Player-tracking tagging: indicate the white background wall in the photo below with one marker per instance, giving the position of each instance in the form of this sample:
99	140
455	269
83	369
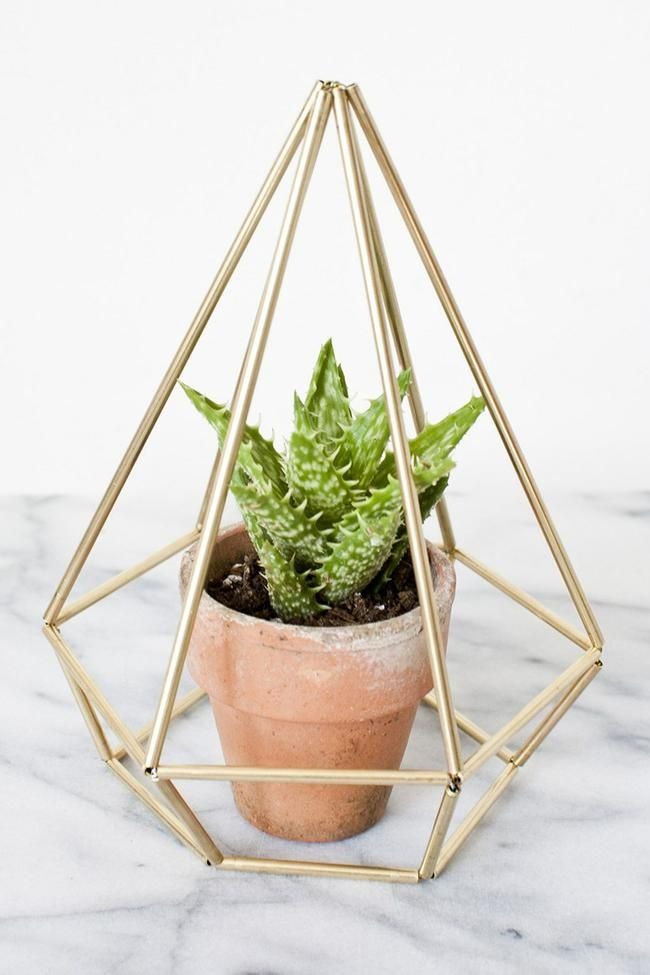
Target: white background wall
135	136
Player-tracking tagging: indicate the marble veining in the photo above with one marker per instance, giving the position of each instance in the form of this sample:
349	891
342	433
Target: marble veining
557	879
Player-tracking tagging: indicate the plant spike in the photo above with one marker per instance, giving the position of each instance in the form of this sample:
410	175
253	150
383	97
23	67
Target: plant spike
312	473
327	397
263	450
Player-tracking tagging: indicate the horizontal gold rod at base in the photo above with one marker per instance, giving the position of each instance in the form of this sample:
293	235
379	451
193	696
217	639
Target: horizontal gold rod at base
474	817
242	773
489	748
469	727
524	599
123	578
174	824
306	868
185	703
546	726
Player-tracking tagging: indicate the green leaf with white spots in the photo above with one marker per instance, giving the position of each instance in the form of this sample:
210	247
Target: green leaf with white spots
314	477
435	441
291	595
439	439
263	450
428	500
287	525
366	438
363	545
327	398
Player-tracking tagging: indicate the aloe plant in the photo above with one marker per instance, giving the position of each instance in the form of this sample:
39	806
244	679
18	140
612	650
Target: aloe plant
325	516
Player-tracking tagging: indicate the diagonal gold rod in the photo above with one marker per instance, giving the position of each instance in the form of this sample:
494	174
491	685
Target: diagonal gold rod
546	726
396	322
572	673
180	359
123	578
474	817
476	365
430	619
168	818
184	704
133	748
239	411
438	833
524	599
88	714
471	729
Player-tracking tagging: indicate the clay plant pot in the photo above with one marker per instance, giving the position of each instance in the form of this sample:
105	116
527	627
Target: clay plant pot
310	697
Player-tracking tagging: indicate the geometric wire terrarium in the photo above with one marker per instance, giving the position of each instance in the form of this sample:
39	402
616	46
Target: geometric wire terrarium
156	786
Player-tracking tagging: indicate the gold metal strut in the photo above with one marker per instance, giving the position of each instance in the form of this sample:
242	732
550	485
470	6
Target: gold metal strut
155	787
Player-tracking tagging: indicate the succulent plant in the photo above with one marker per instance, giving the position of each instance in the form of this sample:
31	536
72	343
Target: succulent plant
325	516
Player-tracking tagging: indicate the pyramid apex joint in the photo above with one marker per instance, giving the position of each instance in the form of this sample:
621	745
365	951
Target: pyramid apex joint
331	85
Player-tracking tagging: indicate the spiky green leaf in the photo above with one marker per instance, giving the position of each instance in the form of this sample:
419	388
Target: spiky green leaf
327	397
366	437
262	450
439	439
291	595
362	547
428	500
314	477
287	525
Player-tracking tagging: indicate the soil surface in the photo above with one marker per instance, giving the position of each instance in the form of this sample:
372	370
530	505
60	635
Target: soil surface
244	589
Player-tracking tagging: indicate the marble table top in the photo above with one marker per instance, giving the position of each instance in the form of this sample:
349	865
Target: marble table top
556	879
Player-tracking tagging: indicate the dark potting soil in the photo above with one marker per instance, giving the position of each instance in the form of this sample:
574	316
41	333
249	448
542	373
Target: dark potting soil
244	589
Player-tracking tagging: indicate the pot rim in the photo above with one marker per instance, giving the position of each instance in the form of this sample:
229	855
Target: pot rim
355	636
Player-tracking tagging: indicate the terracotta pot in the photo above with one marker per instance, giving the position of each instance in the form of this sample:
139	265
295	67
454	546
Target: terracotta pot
311	697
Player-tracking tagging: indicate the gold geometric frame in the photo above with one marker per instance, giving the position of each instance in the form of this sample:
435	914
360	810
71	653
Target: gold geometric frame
391	345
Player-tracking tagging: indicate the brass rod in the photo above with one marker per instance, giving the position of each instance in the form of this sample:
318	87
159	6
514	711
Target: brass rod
421	567
470	727
474	817
476	365
400	340
202	838
123	578
568	676
92	691
174	824
133	748
524	599
208	491
438	833
185	703
309	868
341	776
239	411
181	357
88	714
546	726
